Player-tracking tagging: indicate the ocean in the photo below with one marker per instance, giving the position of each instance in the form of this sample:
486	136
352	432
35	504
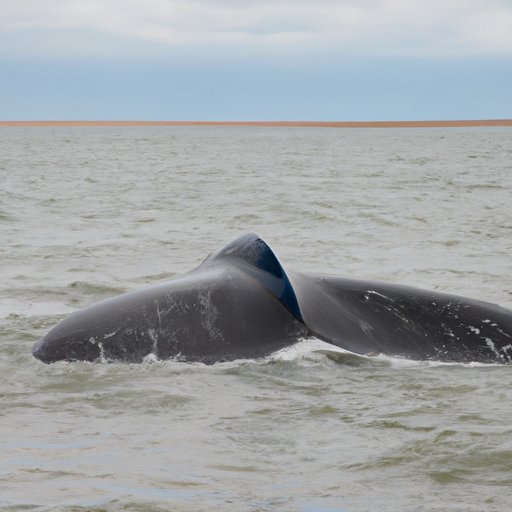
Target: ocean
88	213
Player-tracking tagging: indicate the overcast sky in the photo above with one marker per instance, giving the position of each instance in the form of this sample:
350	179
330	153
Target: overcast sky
240	59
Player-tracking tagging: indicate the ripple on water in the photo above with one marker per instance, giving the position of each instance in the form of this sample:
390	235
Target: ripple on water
300	430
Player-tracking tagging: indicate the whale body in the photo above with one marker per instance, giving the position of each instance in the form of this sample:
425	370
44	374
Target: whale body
240	303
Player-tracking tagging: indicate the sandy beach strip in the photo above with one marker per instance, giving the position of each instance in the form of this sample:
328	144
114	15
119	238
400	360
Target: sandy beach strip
299	124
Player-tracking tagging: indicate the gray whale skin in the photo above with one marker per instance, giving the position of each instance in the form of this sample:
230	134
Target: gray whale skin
240	303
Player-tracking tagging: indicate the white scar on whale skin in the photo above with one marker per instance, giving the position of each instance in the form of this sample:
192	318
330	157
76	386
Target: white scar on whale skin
505	350
153	337
209	314
373	292
492	346
503	332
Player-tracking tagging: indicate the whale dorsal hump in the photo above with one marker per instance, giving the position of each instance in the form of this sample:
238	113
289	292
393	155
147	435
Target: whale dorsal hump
253	255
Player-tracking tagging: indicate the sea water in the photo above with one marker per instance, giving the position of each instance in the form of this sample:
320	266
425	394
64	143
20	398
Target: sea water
88	213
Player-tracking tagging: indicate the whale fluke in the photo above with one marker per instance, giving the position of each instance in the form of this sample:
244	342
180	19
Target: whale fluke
241	303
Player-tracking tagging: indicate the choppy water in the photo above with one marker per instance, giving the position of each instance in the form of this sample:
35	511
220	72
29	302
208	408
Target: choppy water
89	213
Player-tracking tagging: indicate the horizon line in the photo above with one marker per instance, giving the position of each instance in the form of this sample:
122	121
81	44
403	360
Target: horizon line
298	124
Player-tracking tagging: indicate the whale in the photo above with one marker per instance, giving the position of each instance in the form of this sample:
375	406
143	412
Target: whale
240	303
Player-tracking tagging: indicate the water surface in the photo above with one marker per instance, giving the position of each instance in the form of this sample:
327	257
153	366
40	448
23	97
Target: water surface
92	212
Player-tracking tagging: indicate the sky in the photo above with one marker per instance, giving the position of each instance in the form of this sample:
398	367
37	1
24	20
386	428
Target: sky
327	60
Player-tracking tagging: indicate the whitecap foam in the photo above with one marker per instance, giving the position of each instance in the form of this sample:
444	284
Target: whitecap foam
314	348
150	358
304	348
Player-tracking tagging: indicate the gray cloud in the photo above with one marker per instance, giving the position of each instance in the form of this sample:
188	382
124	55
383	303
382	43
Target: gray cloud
277	28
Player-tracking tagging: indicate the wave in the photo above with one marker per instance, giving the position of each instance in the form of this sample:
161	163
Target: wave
309	350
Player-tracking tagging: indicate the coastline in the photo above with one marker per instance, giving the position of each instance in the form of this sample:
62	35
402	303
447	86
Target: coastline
298	124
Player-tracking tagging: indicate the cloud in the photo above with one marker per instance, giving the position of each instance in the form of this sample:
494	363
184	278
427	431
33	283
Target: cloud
275	29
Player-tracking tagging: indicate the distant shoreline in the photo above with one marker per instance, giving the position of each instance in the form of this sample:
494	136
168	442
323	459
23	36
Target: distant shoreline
298	124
